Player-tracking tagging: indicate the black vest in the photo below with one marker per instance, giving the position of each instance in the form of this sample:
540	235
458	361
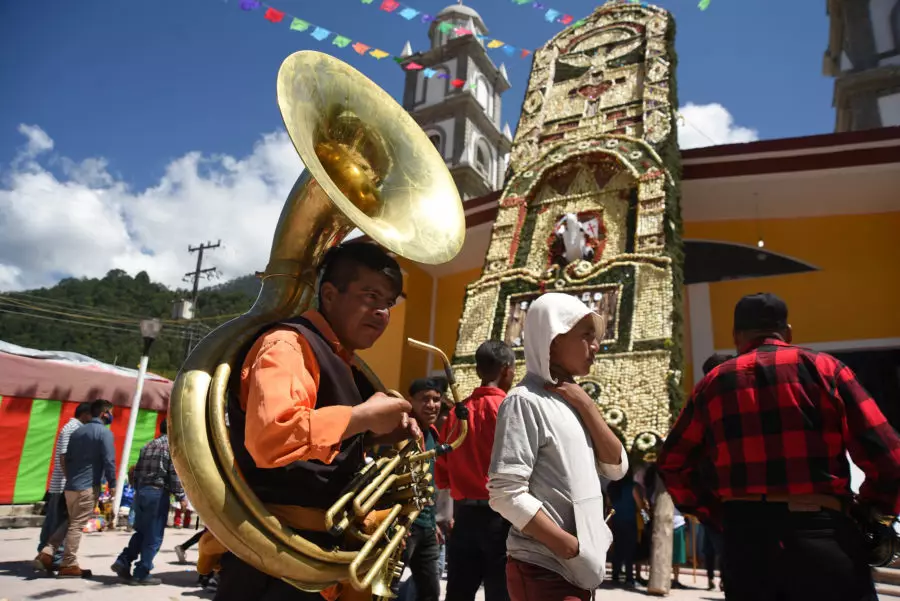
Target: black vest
305	483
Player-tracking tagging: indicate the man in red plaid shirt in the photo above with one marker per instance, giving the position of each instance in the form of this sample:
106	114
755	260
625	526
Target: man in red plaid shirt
761	446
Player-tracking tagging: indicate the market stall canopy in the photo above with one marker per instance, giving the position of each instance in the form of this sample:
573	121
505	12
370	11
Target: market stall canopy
65	376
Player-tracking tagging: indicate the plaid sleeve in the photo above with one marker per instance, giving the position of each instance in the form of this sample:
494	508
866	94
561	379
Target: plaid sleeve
682	458
175	485
873	443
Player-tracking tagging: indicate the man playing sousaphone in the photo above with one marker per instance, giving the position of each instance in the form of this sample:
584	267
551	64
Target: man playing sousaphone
304	414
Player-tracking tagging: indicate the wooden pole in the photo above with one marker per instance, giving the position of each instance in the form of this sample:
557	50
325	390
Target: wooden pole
663	525
694	523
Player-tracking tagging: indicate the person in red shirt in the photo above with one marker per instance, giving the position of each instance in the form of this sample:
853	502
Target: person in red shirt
762	445
477	546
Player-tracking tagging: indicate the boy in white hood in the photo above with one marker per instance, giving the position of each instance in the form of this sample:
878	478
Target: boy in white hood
550	448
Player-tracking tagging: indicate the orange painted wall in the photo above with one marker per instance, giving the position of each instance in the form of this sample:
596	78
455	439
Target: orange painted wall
413	362
451	294
854	295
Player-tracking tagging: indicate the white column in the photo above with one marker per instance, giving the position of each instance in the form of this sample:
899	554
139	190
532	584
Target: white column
129	437
702	345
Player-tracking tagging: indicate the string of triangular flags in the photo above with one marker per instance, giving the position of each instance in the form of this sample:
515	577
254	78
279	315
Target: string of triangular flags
323	35
551	15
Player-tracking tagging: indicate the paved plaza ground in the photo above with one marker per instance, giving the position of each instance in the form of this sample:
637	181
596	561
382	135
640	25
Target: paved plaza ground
18	580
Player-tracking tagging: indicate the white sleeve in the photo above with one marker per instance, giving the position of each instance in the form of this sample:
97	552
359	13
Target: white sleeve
614	472
516	443
62	445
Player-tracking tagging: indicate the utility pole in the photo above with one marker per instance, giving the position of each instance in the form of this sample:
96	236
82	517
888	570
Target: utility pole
209	272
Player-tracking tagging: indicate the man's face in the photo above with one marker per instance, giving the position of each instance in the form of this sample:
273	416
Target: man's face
360	314
507	377
573	352
426	405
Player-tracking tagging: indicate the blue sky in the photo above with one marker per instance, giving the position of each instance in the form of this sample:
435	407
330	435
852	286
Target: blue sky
141	83
130	130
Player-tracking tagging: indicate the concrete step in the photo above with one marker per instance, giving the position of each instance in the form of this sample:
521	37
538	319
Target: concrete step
887	590
21	521
17	510
889	575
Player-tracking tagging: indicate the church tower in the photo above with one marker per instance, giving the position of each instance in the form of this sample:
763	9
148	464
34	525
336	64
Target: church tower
453	91
863	56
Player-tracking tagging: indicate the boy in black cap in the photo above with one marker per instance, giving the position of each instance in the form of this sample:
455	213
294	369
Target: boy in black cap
773	427
422	547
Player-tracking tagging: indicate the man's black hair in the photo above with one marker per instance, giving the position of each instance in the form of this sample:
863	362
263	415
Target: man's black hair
340	265
99	407
163	427
714	361
421	384
82	408
491	357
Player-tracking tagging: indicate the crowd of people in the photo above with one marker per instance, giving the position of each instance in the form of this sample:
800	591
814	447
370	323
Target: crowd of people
542	492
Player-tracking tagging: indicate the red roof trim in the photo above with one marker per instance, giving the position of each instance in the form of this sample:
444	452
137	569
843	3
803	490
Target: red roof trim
804	162
800	143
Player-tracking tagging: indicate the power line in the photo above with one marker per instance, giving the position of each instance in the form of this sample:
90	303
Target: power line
56	302
72	322
78	316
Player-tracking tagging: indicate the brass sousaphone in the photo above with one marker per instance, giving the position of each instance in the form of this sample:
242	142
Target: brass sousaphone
369	166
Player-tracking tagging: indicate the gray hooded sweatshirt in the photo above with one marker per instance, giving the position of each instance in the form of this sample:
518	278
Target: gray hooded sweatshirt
543	457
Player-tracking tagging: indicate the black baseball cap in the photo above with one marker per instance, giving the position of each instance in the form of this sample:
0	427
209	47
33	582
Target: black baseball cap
761	312
421	384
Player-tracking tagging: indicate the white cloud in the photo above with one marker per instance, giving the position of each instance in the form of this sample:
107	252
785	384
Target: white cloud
38	141
87	221
710	125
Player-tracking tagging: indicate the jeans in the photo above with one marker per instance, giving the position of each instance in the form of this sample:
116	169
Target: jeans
477	554
712	550
151	515
624	549
56	515
421	555
774	554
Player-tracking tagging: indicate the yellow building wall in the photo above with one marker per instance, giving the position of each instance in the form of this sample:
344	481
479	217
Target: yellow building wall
414	363
451	294
852	296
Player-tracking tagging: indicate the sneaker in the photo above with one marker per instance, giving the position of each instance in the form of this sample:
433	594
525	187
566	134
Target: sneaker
210	582
121	570
146	581
74	572
179	553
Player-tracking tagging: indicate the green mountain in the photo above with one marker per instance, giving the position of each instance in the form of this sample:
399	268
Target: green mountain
100	317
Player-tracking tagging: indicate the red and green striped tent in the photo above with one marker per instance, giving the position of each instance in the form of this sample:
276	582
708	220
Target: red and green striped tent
38	396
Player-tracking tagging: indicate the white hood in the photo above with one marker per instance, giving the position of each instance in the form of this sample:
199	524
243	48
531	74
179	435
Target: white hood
549	316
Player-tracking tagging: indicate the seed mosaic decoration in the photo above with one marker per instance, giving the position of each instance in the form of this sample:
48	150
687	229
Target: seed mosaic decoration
591	208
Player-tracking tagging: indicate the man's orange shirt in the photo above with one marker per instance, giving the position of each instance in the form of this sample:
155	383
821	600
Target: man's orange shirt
279	384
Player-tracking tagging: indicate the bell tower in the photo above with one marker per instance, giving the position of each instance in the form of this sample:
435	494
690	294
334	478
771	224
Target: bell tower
863	56
453	91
